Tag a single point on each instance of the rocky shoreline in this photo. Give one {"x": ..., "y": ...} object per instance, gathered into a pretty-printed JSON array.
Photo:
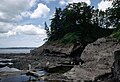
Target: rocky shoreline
[
  {"x": 100, "y": 62},
  {"x": 22, "y": 61},
  {"x": 98, "y": 57}
]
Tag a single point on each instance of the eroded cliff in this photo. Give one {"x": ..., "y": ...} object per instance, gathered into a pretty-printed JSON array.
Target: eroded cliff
[{"x": 98, "y": 59}]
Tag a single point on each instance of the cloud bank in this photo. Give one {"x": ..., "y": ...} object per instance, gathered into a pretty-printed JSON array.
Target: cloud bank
[
  {"x": 10, "y": 10},
  {"x": 29, "y": 30},
  {"x": 14, "y": 10},
  {"x": 12, "y": 30}
]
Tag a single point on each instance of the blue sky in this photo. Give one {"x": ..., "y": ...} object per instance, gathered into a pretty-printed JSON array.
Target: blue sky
[{"x": 22, "y": 21}]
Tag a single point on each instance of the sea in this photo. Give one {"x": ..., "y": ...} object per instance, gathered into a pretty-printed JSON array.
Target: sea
[
  {"x": 10, "y": 74},
  {"x": 15, "y": 50}
]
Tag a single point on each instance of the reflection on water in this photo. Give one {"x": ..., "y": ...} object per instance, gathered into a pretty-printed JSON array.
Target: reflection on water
[
  {"x": 14, "y": 75},
  {"x": 20, "y": 78},
  {"x": 8, "y": 74},
  {"x": 7, "y": 69}
]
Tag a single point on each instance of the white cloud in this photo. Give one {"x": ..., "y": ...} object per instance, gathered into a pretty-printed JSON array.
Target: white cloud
[
  {"x": 7, "y": 30},
  {"x": 64, "y": 2},
  {"x": 5, "y": 27},
  {"x": 10, "y": 10},
  {"x": 11, "y": 13},
  {"x": 9, "y": 33},
  {"x": 22, "y": 35},
  {"x": 29, "y": 30},
  {"x": 103, "y": 5},
  {"x": 22, "y": 41},
  {"x": 41, "y": 11},
  {"x": 48, "y": 1},
  {"x": 32, "y": 2},
  {"x": 25, "y": 14}
]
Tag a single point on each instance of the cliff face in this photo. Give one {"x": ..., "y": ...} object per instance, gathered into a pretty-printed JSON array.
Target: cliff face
[
  {"x": 99, "y": 59},
  {"x": 100, "y": 54},
  {"x": 51, "y": 52},
  {"x": 53, "y": 47}
]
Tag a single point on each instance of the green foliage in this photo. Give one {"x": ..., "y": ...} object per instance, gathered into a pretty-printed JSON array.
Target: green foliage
[
  {"x": 115, "y": 15},
  {"x": 78, "y": 21},
  {"x": 70, "y": 20},
  {"x": 116, "y": 33},
  {"x": 70, "y": 38},
  {"x": 56, "y": 22},
  {"x": 47, "y": 31}
]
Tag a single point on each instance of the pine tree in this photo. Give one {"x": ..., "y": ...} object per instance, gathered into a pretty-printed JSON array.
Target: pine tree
[{"x": 47, "y": 30}]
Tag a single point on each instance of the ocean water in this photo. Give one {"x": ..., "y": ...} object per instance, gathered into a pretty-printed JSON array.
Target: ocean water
[
  {"x": 14, "y": 51},
  {"x": 15, "y": 76},
  {"x": 22, "y": 78}
]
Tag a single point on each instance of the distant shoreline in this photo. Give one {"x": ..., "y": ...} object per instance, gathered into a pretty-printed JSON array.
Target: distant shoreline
[
  {"x": 14, "y": 54},
  {"x": 18, "y": 48},
  {"x": 15, "y": 50}
]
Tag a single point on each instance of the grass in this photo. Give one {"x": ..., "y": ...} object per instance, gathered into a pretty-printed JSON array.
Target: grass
[
  {"x": 116, "y": 33},
  {"x": 70, "y": 38}
]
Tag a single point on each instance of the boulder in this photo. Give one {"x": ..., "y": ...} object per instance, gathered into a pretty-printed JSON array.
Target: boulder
[
  {"x": 98, "y": 57},
  {"x": 116, "y": 66}
]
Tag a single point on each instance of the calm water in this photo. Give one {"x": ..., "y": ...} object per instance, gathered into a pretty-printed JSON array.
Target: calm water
[
  {"x": 15, "y": 50},
  {"x": 21, "y": 78}
]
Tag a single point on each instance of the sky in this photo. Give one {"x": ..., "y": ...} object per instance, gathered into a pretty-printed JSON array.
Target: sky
[{"x": 22, "y": 21}]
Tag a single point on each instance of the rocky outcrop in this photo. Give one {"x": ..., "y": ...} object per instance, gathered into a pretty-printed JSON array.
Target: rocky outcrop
[
  {"x": 58, "y": 53},
  {"x": 53, "y": 47},
  {"x": 114, "y": 75},
  {"x": 98, "y": 58},
  {"x": 116, "y": 67},
  {"x": 66, "y": 53}
]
